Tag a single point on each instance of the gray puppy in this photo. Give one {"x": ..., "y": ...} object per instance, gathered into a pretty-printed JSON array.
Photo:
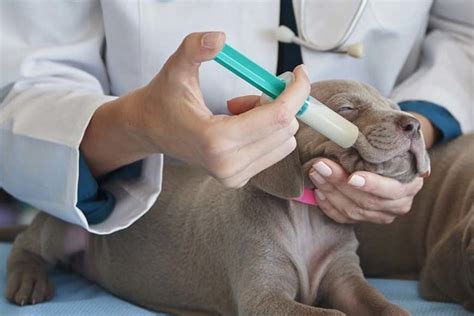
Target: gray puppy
[{"x": 207, "y": 249}]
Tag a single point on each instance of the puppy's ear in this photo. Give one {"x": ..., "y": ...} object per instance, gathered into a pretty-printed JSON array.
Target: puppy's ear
[
  {"x": 284, "y": 179},
  {"x": 423, "y": 164}
]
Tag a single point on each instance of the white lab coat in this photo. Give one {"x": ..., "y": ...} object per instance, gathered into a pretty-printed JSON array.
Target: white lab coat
[{"x": 55, "y": 52}]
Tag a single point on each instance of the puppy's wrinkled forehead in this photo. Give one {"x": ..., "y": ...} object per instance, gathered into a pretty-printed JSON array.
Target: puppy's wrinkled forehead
[{"x": 336, "y": 93}]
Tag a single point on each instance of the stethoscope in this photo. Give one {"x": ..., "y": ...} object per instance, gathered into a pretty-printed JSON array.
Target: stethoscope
[{"x": 286, "y": 35}]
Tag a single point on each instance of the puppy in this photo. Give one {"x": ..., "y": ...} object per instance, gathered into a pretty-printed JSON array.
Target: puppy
[{"x": 207, "y": 249}]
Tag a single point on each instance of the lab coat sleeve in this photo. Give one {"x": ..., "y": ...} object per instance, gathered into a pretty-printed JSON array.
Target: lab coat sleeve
[
  {"x": 445, "y": 73},
  {"x": 61, "y": 82}
]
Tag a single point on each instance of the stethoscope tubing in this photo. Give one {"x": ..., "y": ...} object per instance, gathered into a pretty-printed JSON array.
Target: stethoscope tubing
[{"x": 306, "y": 41}]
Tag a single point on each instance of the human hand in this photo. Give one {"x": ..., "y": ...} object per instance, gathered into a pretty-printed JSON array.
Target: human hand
[
  {"x": 169, "y": 116},
  {"x": 362, "y": 196}
]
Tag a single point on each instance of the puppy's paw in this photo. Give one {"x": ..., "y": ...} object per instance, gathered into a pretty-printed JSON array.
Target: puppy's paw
[
  {"x": 394, "y": 310},
  {"x": 28, "y": 285}
]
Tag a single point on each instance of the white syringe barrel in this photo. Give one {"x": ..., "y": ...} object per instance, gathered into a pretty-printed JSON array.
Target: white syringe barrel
[
  {"x": 328, "y": 123},
  {"x": 324, "y": 120}
]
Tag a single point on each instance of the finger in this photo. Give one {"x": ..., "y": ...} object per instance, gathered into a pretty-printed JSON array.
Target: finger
[
  {"x": 384, "y": 187},
  {"x": 253, "y": 151},
  {"x": 353, "y": 211},
  {"x": 260, "y": 164},
  {"x": 377, "y": 217},
  {"x": 242, "y": 104},
  {"x": 399, "y": 207},
  {"x": 330, "y": 172},
  {"x": 264, "y": 120},
  {"x": 364, "y": 200},
  {"x": 298, "y": 90},
  {"x": 340, "y": 202},
  {"x": 330, "y": 210},
  {"x": 195, "y": 49},
  {"x": 237, "y": 158}
]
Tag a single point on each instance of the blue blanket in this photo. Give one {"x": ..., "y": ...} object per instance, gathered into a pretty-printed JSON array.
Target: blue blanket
[{"x": 76, "y": 296}]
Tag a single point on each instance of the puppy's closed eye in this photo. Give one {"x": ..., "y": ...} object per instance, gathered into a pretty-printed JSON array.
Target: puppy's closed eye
[{"x": 347, "y": 111}]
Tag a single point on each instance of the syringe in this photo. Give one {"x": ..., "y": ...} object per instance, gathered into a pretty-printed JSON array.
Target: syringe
[{"x": 312, "y": 112}]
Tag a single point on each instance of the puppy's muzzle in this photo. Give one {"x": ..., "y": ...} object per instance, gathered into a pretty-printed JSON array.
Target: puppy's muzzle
[{"x": 409, "y": 126}]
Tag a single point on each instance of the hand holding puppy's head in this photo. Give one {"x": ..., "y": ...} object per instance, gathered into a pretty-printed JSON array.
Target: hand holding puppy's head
[{"x": 390, "y": 142}]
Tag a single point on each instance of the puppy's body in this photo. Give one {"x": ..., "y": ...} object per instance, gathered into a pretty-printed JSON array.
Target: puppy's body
[
  {"x": 222, "y": 250},
  {"x": 205, "y": 248},
  {"x": 224, "y": 254}
]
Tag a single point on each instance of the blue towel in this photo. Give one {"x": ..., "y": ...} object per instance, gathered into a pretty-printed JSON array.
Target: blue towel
[{"x": 76, "y": 296}]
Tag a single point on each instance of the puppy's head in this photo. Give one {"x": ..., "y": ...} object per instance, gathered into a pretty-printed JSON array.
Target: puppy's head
[{"x": 390, "y": 142}]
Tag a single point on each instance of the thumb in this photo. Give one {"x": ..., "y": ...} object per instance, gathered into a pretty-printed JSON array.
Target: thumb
[{"x": 195, "y": 49}]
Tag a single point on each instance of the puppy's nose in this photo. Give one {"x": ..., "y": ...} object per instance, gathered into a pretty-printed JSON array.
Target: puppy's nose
[{"x": 409, "y": 125}]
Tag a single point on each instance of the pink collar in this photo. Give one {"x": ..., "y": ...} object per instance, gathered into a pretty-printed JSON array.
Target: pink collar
[{"x": 307, "y": 197}]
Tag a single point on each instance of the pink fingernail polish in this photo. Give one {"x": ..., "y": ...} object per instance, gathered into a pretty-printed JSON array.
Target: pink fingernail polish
[
  {"x": 357, "y": 181},
  {"x": 323, "y": 169}
]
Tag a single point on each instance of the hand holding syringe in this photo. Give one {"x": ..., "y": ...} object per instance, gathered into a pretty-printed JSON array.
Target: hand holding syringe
[{"x": 312, "y": 112}]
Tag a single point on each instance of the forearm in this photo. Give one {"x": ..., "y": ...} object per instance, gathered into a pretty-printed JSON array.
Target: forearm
[{"x": 113, "y": 138}]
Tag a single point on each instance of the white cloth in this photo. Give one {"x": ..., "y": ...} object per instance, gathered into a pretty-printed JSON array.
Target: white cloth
[{"x": 69, "y": 57}]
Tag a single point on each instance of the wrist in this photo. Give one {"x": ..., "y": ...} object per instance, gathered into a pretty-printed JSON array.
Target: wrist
[{"x": 115, "y": 136}]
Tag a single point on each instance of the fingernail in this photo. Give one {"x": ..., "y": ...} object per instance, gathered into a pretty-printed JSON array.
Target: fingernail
[
  {"x": 316, "y": 177},
  {"x": 320, "y": 195},
  {"x": 305, "y": 70},
  {"x": 356, "y": 181},
  {"x": 211, "y": 40},
  {"x": 323, "y": 169}
]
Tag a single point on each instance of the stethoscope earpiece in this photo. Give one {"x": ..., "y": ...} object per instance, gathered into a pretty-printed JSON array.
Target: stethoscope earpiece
[
  {"x": 285, "y": 35},
  {"x": 355, "y": 50}
]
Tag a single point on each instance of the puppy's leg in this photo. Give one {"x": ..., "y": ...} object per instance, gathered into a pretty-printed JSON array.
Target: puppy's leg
[
  {"x": 448, "y": 274},
  {"x": 46, "y": 242},
  {"x": 28, "y": 281},
  {"x": 272, "y": 289},
  {"x": 345, "y": 288}
]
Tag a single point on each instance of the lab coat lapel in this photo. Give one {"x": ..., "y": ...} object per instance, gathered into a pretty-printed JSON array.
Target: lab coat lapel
[{"x": 161, "y": 20}]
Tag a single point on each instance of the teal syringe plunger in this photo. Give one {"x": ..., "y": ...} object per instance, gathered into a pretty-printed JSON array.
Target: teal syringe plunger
[{"x": 312, "y": 112}]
